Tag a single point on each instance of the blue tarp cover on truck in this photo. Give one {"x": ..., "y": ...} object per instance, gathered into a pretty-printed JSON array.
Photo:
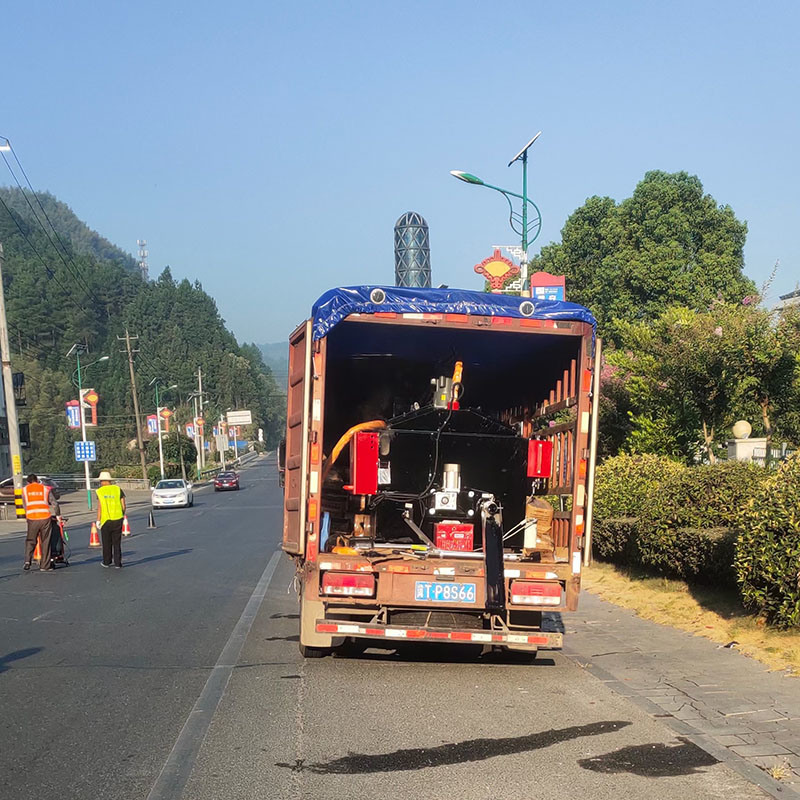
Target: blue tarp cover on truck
[{"x": 336, "y": 304}]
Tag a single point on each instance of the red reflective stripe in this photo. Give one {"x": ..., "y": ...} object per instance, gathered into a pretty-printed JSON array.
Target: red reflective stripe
[
  {"x": 498, "y": 637},
  {"x": 461, "y": 636},
  {"x": 502, "y": 321},
  {"x": 438, "y": 635},
  {"x": 415, "y": 634},
  {"x": 323, "y": 627},
  {"x": 375, "y": 632},
  {"x": 462, "y": 318},
  {"x": 538, "y": 640},
  {"x": 531, "y": 323},
  {"x": 385, "y": 314}
]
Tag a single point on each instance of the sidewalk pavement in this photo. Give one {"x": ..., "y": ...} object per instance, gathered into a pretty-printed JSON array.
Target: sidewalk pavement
[
  {"x": 730, "y": 705},
  {"x": 73, "y": 505}
]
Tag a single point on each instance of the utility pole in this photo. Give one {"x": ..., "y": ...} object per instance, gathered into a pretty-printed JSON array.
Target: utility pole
[
  {"x": 158, "y": 421},
  {"x": 11, "y": 403},
  {"x": 139, "y": 441}
]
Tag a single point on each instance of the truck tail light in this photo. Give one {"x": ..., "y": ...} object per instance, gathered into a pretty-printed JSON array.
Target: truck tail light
[
  {"x": 530, "y": 593},
  {"x": 348, "y": 584},
  {"x": 540, "y": 458}
]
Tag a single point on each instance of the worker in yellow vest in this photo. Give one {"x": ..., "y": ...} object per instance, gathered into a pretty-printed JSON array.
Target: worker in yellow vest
[
  {"x": 110, "y": 513},
  {"x": 40, "y": 506}
]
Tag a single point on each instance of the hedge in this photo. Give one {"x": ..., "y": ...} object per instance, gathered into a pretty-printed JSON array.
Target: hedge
[
  {"x": 768, "y": 549},
  {"x": 677, "y": 521},
  {"x": 614, "y": 539},
  {"x": 624, "y": 484}
]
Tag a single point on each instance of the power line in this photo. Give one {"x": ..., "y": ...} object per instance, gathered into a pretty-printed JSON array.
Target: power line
[{"x": 71, "y": 267}]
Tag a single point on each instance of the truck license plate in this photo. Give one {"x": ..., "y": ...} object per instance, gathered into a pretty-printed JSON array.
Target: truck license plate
[{"x": 445, "y": 592}]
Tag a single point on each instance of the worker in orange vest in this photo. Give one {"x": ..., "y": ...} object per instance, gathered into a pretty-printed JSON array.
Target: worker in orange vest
[{"x": 40, "y": 506}]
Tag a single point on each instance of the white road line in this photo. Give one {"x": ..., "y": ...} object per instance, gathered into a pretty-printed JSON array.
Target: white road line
[{"x": 170, "y": 783}]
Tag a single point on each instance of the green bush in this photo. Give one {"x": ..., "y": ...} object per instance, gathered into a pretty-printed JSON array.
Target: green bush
[
  {"x": 685, "y": 527},
  {"x": 705, "y": 496},
  {"x": 625, "y": 484},
  {"x": 127, "y": 471},
  {"x": 696, "y": 555},
  {"x": 674, "y": 520},
  {"x": 614, "y": 539},
  {"x": 768, "y": 549}
]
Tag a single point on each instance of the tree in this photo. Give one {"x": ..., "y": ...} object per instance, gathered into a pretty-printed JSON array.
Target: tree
[
  {"x": 78, "y": 287},
  {"x": 668, "y": 244},
  {"x": 691, "y": 374}
]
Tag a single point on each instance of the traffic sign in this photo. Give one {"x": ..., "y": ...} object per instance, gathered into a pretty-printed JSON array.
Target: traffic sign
[
  {"x": 73, "y": 414},
  {"x": 90, "y": 399},
  {"x": 152, "y": 424},
  {"x": 85, "y": 451},
  {"x": 241, "y": 417}
]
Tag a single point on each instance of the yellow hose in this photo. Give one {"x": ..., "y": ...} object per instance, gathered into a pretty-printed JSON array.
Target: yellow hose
[{"x": 372, "y": 425}]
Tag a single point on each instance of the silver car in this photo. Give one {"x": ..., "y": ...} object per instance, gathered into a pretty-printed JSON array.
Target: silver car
[{"x": 173, "y": 493}]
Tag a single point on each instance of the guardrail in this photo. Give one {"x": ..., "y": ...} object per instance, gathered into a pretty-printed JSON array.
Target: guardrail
[{"x": 69, "y": 483}]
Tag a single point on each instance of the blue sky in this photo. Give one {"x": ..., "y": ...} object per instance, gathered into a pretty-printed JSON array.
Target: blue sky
[{"x": 267, "y": 148}]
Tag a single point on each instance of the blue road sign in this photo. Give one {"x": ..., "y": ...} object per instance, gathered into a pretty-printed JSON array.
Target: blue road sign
[
  {"x": 73, "y": 415},
  {"x": 85, "y": 451}
]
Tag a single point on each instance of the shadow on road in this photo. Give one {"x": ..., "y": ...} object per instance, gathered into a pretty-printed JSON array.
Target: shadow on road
[
  {"x": 16, "y": 655},
  {"x": 158, "y": 557},
  {"x": 439, "y": 654},
  {"x": 656, "y": 760},
  {"x": 458, "y": 753}
]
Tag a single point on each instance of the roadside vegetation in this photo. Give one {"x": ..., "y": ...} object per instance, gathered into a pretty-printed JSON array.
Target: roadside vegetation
[
  {"x": 714, "y": 549},
  {"x": 68, "y": 285},
  {"x": 690, "y": 347}
]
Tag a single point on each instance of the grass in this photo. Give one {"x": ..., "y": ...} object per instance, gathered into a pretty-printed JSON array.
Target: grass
[
  {"x": 780, "y": 772},
  {"x": 712, "y": 613}
]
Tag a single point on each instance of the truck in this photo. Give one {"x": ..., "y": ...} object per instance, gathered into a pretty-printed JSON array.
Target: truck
[{"x": 438, "y": 467}]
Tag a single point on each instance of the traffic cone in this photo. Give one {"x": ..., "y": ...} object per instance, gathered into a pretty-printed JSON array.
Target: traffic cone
[
  {"x": 151, "y": 520},
  {"x": 37, "y": 553},
  {"x": 126, "y": 528},
  {"x": 94, "y": 537}
]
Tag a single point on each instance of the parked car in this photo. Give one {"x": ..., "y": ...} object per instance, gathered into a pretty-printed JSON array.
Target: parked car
[
  {"x": 7, "y": 489},
  {"x": 225, "y": 481},
  {"x": 172, "y": 493}
]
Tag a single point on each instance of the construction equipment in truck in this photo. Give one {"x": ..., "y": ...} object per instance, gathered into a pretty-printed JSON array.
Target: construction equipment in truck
[{"x": 438, "y": 466}]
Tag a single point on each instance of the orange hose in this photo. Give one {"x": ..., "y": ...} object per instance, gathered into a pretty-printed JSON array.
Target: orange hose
[{"x": 375, "y": 424}]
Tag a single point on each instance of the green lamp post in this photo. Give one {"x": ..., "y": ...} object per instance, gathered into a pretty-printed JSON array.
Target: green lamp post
[
  {"x": 77, "y": 381},
  {"x": 527, "y": 227}
]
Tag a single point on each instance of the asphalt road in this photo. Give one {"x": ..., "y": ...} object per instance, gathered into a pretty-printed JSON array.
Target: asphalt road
[{"x": 179, "y": 676}]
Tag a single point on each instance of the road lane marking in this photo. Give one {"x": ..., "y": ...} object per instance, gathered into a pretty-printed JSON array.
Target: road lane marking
[{"x": 171, "y": 781}]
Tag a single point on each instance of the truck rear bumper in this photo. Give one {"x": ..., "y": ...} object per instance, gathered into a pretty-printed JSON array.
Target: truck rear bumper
[{"x": 540, "y": 639}]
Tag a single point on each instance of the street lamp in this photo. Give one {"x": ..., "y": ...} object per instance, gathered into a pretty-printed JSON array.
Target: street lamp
[
  {"x": 77, "y": 349},
  {"x": 517, "y": 220},
  {"x": 156, "y": 382},
  {"x": 197, "y": 398}
]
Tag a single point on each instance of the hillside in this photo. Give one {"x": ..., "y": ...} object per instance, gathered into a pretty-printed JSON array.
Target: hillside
[
  {"x": 77, "y": 235},
  {"x": 89, "y": 292},
  {"x": 276, "y": 357}
]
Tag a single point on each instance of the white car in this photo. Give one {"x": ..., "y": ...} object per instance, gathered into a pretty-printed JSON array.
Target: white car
[{"x": 173, "y": 492}]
